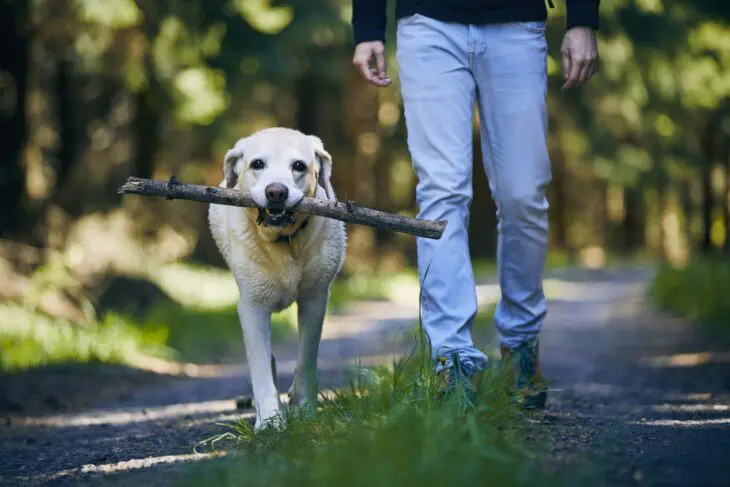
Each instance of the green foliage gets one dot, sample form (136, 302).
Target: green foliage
(359, 288)
(262, 16)
(389, 428)
(699, 291)
(117, 14)
(484, 320)
(194, 326)
(665, 68)
(31, 339)
(209, 335)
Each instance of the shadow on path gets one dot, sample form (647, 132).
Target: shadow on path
(645, 395)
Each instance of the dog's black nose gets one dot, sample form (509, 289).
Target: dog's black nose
(276, 193)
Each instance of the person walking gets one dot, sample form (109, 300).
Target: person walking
(452, 54)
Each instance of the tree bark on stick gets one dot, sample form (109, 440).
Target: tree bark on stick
(349, 212)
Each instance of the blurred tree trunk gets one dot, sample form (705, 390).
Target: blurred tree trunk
(634, 223)
(685, 199)
(14, 63)
(147, 130)
(609, 230)
(712, 151)
(307, 95)
(724, 156)
(707, 207)
(67, 128)
(726, 200)
(558, 203)
(361, 116)
(150, 102)
(383, 237)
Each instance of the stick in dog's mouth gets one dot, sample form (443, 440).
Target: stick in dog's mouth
(275, 217)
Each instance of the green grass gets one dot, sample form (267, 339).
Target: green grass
(554, 260)
(359, 288)
(388, 428)
(484, 320)
(200, 327)
(699, 291)
(31, 339)
(483, 325)
(210, 334)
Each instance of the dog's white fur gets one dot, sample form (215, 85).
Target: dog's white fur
(273, 275)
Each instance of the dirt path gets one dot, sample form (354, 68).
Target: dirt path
(644, 395)
(647, 396)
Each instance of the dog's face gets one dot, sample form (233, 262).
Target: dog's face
(279, 167)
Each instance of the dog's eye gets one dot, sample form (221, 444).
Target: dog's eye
(257, 164)
(299, 166)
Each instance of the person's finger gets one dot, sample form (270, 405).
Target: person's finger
(574, 73)
(596, 67)
(566, 63)
(380, 63)
(362, 64)
(382, 76)
(362, 61)
(585, 70)
(590, 71)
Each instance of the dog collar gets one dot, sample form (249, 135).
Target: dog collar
(287, 239)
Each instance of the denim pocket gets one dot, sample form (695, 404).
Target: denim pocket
(408, 19)
(537, 26)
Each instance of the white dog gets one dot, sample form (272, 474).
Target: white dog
(278, 256)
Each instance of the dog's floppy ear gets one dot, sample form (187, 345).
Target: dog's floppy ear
(230, 165)
(325, 167)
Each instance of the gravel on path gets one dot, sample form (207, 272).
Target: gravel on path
(644, 396)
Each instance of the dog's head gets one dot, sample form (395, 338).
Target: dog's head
(278, 167)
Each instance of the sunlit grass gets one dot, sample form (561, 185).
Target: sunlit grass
(484, 320)
(555, 259)
(389, 427)
(199, 324)
(210, 335)
(31, 339)
(558, 259)
(699, 291)
(209, 288)
(208, 329)
(361, 288)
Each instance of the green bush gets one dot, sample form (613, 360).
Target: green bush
(210, 335)
(31, 339)
(699, 291)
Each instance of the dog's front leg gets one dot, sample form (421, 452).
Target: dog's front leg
(256, 325)
(312, 308)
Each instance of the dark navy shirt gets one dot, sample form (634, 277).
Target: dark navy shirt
(369, 16)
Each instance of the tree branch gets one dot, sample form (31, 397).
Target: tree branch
(348, 212)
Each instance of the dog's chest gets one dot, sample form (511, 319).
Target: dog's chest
(286, 279)
(283, 275)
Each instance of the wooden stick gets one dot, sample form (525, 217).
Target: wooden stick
(348, 212)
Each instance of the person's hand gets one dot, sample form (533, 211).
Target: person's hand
(365, 53)
(580, 56)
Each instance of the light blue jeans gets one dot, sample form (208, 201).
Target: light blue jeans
(444, 69)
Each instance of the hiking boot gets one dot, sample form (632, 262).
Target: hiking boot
(456, 378)
(528, 384)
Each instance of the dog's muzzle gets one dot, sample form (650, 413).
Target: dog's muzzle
(275, 217)
(275, 214)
